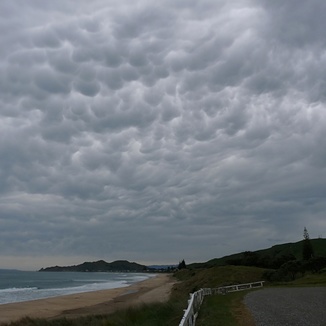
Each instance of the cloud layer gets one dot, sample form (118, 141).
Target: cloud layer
(157, 133)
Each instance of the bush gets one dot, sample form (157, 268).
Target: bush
(287, 272)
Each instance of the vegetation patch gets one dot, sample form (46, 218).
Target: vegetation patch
(225, 310)
(160, 314)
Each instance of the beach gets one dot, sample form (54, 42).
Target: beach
(154, 289)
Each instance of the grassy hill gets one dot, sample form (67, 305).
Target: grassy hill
(264, 257)
(195, 279)
(319, 247)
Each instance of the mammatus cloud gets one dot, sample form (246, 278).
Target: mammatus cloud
(159, 133)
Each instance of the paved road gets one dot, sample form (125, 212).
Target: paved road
(288, 306)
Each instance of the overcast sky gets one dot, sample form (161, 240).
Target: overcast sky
(156, 131)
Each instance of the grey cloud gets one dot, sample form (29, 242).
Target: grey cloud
(111, 78)
(296, 25)
(51, 83)
(113, 57)
(28, 58)
(129, 130)
(46, 39)
(129, 73)
(61, 61)
(87, 88)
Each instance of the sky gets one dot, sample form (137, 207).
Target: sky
(156, 131)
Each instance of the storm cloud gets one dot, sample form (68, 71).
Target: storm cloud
(156, 132)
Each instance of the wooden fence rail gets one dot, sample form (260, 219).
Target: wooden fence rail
(196, 299)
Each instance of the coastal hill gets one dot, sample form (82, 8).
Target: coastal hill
(272, 257)
(99, 266)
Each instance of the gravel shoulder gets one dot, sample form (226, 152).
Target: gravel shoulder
(288, 306)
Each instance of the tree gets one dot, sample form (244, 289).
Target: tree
(307, 250)
(292, 267)
(182, 264)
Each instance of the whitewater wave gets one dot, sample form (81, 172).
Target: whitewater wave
(11, 295)
(27, 286)
(14, 290)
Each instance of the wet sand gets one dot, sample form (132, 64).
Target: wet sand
(155, 289)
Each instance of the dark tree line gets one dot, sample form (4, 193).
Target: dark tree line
(293, 268)
(182, 264)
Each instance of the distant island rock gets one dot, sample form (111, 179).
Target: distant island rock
(99, 266)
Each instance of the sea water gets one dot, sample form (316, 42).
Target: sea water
(18, 286)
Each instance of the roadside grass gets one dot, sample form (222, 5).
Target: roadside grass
(317, 279)
(216, 310)
(230, 310)
(193, 280)
(224, 310)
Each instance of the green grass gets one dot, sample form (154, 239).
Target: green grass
(158, 314)
(317, 279)
(193, 280)
(224, 310)
(216, 310)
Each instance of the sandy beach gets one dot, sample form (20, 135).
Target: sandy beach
(155, 289)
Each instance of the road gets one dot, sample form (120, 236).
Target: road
(288, 306)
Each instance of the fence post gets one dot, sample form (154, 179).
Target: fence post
(196, 299)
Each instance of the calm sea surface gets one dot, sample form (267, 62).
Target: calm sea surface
(17, 286)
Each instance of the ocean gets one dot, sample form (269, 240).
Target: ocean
(18, 286)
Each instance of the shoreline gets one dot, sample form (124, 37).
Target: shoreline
(153, 289)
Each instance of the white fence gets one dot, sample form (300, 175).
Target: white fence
(194, 303)
(196, 299)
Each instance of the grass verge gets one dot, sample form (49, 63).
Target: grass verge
(225, 310)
